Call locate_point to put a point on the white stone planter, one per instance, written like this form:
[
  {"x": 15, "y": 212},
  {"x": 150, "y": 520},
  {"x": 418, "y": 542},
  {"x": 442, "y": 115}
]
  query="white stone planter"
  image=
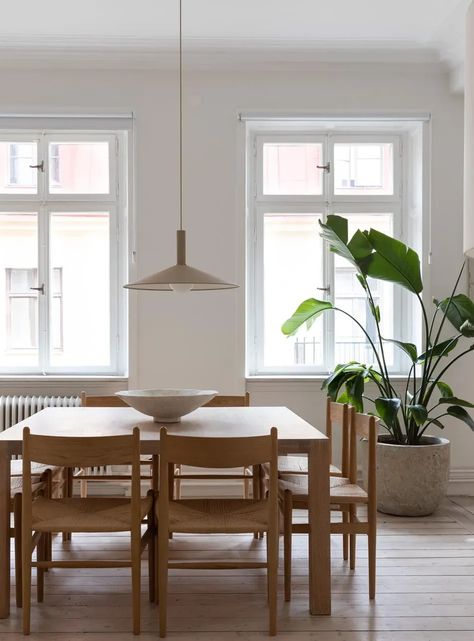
[{"x": 412, "y": 479}]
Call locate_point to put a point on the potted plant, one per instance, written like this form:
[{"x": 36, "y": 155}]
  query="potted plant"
[{"x": 412, "y": 466}]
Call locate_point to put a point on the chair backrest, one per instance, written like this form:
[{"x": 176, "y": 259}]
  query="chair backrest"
[
  {"x": 337, "y": 414},
  {"x": 82, "y": 451},
  {"x": 216, "y": 452},
  {"x": 364, "y": 426},
  {"x": 229, "y": 401},
  {"x": 102, "y": 401}
]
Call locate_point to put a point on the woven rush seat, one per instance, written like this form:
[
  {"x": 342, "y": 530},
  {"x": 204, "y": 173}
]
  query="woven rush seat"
[
  {"x": 298, "y": 464},
  {"x": 341, "y": 490},
  {"x": 298, "y": 483},
  {"x": 93, "y": 514},
  {"x": 202, "y": 516}
]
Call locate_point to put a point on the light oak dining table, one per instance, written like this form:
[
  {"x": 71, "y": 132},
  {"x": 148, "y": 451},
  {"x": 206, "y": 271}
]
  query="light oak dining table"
[{"x": 295, "y": 436}]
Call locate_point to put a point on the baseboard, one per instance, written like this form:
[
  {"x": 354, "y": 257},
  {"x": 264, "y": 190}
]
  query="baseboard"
[{"x": 461, "y": 482}]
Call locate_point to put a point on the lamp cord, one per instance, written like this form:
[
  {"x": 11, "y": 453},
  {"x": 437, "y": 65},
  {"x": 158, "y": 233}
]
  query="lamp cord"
[{"x": 180, "y": 116}]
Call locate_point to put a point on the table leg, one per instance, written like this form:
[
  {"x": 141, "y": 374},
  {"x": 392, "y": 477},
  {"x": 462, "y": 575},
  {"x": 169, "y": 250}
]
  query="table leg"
[
  {"x": 4, "y": 531},
  {"x": 319, "y": 544}
]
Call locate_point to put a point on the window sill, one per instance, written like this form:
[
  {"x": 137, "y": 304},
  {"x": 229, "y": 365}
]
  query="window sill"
[
  {"x": 294, "y": 378},
  {"x": 38, "y": 378}
]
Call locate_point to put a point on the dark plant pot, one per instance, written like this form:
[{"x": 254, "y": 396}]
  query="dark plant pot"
[{"x": 412, "y": 479}]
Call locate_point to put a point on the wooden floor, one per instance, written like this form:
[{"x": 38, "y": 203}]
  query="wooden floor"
[{"x": 425, "y": 590}]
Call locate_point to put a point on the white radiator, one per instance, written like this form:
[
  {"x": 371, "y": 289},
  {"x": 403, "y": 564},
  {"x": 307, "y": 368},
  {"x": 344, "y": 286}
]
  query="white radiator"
[{"x": 16, "y": 408}]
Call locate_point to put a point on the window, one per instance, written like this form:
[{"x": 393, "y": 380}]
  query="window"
[
  {"x": 62, "y": 253},
  {"x": 295, "y": 180}
]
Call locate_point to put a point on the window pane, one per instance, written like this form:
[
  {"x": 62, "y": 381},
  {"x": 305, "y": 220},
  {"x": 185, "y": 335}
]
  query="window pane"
[
  {"x": 16, "y": 176},
  {"x": 79, "y": 168},
  {"x": 350, "y": 341},
  {"x": 363, "y": 169},
  {"x": 293, "y": 262},
  {"x": 291, "y": 168},
  {"x": 18, "y": 303},
  {"x": 80, "y": 305}
]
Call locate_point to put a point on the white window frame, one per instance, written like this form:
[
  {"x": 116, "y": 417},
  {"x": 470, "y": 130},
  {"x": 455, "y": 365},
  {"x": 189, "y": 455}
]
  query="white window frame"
[
  {"x": 45, "y": 204},
  {"x": 258, "y": 204}
]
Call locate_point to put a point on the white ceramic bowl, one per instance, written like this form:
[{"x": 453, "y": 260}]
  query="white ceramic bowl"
[{"x": 166, "y": 405}]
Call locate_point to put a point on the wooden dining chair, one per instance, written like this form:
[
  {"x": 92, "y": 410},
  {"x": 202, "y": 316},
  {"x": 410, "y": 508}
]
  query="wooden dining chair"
[
  {"x": 42, "y": 515},
  {"x": 344, "y": 496},
  {"x": 250, "y": 478},
  {"x": 337, "y": 419},
  {"x": 149, "y": 464},
  {"x": 337, "y": 416},
  {"x": 217, "y": 516}
]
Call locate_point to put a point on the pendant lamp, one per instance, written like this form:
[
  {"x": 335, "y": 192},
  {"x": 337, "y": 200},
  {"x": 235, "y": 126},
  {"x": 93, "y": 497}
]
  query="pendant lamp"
[{"x": 180, "y": 277}]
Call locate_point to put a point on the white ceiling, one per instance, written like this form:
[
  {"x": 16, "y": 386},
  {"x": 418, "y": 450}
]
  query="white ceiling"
[{"x": 427, "y": 29}]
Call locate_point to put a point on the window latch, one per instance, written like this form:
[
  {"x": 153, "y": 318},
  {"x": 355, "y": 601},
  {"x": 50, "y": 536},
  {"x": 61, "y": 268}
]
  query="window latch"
[
  {"x": 39, "y": 289},
  {"x": 325, "y": 289},
  {"x": 326, "y": 167},
  {"x": 40, "y": 167}
]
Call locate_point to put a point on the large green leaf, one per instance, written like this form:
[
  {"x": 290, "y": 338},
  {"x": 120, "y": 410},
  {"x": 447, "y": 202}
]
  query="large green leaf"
[
  {"x": 454, "y": 400},
  {"x": 393, "y": 261},
  {"x": 461, "y": 414},
  {"x": 443, "y": 348},
  {"x": 308, "y": 311},
  {"x": 408, "y": 348},
  {"x": 335, "y": 232},
  {"x": 460, "y": 312},
  {"x": 419, "y": 413},
  {"x": 445, "y": 389},
  {"x": 387, "y": 410},
  {"x": 355, "y": 390},
  {"x": 340, "y": 376}
]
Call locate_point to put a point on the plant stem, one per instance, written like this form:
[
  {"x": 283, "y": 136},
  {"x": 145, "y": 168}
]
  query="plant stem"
[{"x": 338, "y": 309}]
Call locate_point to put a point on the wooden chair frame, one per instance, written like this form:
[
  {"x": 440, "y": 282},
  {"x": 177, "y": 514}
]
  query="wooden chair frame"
[
  {"x": 362, "y": 426},
  {"x": 72, "y": 452},
  {"x": 216, "y": 453},
  {"x": 100, "y": 474},
  {"x": 247, "y": 476}
]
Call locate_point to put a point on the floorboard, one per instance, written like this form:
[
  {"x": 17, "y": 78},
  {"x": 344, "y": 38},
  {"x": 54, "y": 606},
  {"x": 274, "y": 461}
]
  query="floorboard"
[{"x": 425, "y": 589}]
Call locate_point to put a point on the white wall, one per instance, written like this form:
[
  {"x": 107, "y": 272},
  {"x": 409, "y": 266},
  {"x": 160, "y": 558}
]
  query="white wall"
[{"x": 198, "y": 340}]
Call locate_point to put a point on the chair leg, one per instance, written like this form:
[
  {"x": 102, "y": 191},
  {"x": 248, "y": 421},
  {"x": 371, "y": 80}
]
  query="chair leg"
[
  {"x": 83, "y": 489},
  {"x": 135, "y": 544},
  {"x": 177, "y": 482},
  {"x": 256, "y": 491},
  {"x": 41, "y": 553},
  {"x": 26, "y": 579},
  {"x": 352, "y": 538},
  {"x": 151, "y": 553},
  {"x": 272, "y": 572},
  {"x": 67, "y": 493},
  {"x": 287, "y": 540},
  {"x": 246, "y": 481},
  {"x": 163, "y": 582},
  {"x": 345, "y": 537},
  {"x": 17, "y": 499},
  {"x": 372, "y": 549}
]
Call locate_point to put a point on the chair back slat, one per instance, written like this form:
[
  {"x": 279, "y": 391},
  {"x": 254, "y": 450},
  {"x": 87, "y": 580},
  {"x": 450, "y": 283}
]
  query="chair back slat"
[
  {"x": 364, "y": 424},
  {"x": 229, "y": 401},
  {"x": 102, "y": 401},
  {"x": 74, "y": 451},
  {"x": 214, "y": 452},
  {"x": 338, "y": 414}
]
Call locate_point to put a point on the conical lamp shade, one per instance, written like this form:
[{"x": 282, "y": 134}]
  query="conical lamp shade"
[{"x": 180, "y": 274}]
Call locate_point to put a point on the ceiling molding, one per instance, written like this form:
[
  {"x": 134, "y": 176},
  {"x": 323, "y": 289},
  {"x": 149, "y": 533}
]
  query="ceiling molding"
[{"x": 138, "y": 53}]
